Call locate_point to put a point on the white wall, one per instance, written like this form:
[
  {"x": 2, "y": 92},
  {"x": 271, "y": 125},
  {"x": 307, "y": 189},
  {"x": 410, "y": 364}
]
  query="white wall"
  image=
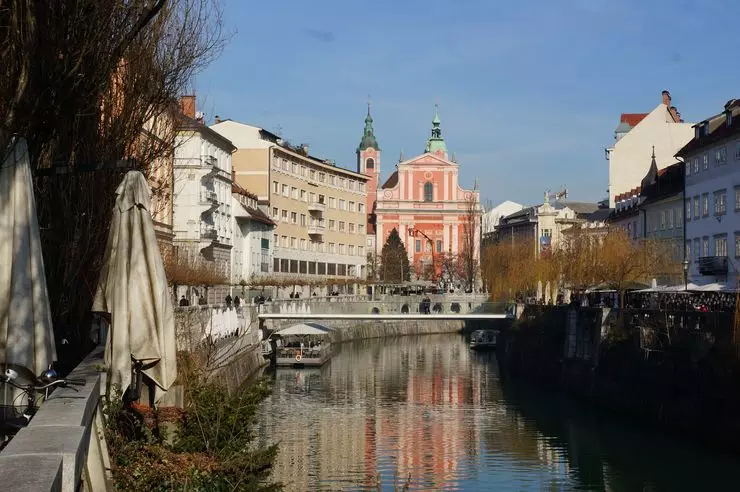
[
  {"x": 630, "y": 158},
  {"x": 243, "y": 136},
  {"x": 491, "y": 218},
  {"x": 193, "y": 177}
]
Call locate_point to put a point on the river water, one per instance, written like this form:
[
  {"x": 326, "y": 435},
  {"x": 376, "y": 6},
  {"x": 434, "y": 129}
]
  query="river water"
[{"x": 430, "y": 409}]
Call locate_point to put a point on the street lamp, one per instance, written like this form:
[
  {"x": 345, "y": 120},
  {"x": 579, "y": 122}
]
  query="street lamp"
[
  {"x": 685, "y": 264},
  {"x": 412, "y": 233}
]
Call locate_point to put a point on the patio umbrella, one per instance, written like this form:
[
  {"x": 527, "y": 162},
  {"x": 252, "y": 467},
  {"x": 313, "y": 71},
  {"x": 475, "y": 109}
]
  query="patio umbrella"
[
  {"x": 26, "y": 335},
  {"x": 133, "y": 289}
]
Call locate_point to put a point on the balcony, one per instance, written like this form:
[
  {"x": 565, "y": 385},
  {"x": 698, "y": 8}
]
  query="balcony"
[
  {"x": 316, "y": 228},
  {"x": 316, "y": 207},
  {"x": 713, "y": 265},
  {"x": 208, "y": 161},
  {"x": 208, "y": 232},
  {"x": 208, "y": 197}
]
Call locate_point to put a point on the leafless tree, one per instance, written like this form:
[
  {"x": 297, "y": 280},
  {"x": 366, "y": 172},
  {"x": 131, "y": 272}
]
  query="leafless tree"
[
  {"x": 469, "y": 253},
  {"x": 93, "y": 85}
]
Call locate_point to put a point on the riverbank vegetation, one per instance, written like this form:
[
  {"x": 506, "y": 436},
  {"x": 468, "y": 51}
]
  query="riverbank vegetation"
[
  {"x": 207, "y": 446},
  {"x": 608, "y": 259}
]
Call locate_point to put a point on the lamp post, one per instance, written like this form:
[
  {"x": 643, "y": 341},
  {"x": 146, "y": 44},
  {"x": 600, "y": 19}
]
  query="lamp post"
[
  {"x": 685, "y": 264},
  {"x": 412, "y": 233}
]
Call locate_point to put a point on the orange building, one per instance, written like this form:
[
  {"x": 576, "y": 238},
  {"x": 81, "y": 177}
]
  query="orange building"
[{"x": 422, "y": 199}]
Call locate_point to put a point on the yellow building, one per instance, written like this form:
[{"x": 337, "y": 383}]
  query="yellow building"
[{"x": 319, "y": 208}]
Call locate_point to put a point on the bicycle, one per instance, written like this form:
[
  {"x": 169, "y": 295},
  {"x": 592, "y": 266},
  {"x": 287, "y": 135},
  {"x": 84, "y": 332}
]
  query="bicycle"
[{"x": 49, "y": 380}]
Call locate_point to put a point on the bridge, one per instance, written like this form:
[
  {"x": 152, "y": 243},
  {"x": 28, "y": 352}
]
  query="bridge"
[{"x": 381, "y": 317}]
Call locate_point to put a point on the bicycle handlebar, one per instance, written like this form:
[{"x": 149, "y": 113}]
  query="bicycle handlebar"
[{"x": 57, "y": 382}]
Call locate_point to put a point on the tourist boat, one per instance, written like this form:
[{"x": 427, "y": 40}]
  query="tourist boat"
[
  {"x": 304, "y": 344},
  {"x": 483, "y": 339}
]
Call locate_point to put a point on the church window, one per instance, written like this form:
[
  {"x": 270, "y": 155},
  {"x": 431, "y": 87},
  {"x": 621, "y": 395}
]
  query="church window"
[
  {"x": 370, "y": 164},
  {"x": 428, "y": 192}
]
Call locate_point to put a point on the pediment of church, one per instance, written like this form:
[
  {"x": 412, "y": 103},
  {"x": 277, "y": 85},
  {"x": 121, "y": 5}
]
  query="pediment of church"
[{"x": 428, "y": 160}]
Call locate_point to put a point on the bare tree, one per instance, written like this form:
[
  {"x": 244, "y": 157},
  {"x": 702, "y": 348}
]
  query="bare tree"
[
  {"x": 469, "y": 252},
  {"x": 93, "y": 86}
]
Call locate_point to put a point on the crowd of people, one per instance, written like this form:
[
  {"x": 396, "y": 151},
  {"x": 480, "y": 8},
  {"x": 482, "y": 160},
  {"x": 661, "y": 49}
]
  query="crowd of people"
[{"x": 683, "y": 301}]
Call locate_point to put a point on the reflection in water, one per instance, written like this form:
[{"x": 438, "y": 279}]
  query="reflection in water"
[{"x": 429, "y": 408}]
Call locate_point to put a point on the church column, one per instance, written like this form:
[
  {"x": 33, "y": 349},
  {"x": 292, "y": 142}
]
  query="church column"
[{"x": 401, "y": 182}]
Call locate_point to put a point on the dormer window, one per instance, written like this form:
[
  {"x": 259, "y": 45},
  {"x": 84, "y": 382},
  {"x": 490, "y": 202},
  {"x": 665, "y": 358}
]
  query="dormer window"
[
  {"x": 697, "y": 131},
  {"x": 728, "y": 118}
]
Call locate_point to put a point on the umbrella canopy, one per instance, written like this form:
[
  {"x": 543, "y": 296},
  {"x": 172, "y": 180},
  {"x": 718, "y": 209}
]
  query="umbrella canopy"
[
  {"x": 133, "y": 289},
  {"x": 26, "y": 336},
  {"x": 305, "y": 329}
]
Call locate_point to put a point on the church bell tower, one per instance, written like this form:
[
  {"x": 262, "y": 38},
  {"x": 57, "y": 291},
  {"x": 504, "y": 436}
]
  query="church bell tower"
[{"x": 368, "y": 163}]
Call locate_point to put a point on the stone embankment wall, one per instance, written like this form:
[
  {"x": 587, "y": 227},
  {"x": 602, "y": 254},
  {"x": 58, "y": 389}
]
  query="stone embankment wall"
[
  {"x": 679, "y": 370},
  {"x": 346, "y": 331},
  {"x": 230, "y": 336}
]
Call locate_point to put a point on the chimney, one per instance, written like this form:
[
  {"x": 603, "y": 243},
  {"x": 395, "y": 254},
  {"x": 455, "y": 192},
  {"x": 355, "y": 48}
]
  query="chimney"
[
  {"x": 667, "y": 98},
  {"x": 674, "y": 114},
  {"x": 304, "y": 148},
  {"x": 218, "y": 119},
  {"x": 187, "y": 106}
]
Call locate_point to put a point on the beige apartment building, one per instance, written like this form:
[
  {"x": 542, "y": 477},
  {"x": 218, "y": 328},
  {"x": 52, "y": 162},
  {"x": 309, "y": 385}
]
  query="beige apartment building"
[{"x": 319, "y": 208}]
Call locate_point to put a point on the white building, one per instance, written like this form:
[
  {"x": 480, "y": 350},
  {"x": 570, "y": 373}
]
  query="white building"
[
  {"x": 635, "y": 137},
  {"x": 542, "y": 226},
  {"x": 202, "y": 208},
  {"x": 491, "y": 218},
  {"x": 252, "y": 252},
  {"x": 712, "y": 198}
]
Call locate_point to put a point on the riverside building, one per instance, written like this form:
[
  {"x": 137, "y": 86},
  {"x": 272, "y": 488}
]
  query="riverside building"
[{"x": 319, "y": 209}]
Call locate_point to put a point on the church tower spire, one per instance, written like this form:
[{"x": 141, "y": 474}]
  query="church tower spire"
[
  {"x": 368, "y": 140},
  {"x": 435, "y": 143}
]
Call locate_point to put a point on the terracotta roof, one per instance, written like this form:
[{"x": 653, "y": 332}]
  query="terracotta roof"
[
  {"x": 240, "y": 190},
  {"x": 259, "y": 216},
  {"x": 392, "y": 180},
  {"x": 632, "y": 119}
]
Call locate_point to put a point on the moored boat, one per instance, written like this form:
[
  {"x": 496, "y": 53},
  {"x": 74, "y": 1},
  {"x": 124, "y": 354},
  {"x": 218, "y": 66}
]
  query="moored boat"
[
  {"x": 304, "y": 344},
  {"x": 483, "y": 339}
]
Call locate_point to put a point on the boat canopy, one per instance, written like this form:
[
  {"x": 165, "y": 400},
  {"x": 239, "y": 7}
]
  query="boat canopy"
[{"x": 305, "y": 329}]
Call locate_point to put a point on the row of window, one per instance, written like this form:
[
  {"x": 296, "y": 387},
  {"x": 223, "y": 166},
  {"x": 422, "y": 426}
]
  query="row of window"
[
  {"x": 313, "y": 175},
  {"x": 284, "y": 265},
  {"x": 428, "y": 246},
  {"x": 669, "y": 218},
  {"x": 710, "y": 246},
  {"x": 289, "y": 217},
  {"x": 701, "y": 204},
  {"x": 310, "y": 197},
  {"x": 316, "y": 246},
  {"x": 719, "y": 158}
]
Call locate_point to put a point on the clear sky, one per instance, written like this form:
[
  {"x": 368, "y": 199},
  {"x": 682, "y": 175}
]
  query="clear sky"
[{"x": 530, "y": 91}]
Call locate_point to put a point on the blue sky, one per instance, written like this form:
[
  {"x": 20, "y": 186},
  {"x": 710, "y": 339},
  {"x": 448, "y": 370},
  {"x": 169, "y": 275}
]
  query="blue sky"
[{"x": 529, "y": 92}]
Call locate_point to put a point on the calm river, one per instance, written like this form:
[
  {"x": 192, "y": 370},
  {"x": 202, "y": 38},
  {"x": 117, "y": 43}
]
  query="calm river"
[{"x": 429, "y": 408}]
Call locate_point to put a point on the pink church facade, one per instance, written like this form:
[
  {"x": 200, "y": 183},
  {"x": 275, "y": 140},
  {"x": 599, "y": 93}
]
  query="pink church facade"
[{"x": 422, "y": 199}]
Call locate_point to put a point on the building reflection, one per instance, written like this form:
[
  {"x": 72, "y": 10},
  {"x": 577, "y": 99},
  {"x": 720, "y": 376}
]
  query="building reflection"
[{"x": 412, "y": 406}]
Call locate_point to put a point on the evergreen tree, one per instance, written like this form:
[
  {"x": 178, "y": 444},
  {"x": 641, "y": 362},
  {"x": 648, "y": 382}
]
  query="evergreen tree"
[{"x": 395, "y": 266}]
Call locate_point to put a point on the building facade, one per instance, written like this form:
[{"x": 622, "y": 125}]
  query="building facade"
[
  {"x": 491, "y": 218},
  {"x": 543, "y": 226},
  {"x": 423, "y": 201},
  {"x": 319, "y": 209},
  {"x": 252, "y": 252},
  {"x": 712, "y": 198},
  {"x": 661, "y": 207},
  {"x": 636, "y": 134},
  {"x": 202, "y": 214}
]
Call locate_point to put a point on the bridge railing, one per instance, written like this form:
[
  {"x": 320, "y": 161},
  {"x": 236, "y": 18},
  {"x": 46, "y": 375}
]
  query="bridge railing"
[{"x": 403, "y": 305}]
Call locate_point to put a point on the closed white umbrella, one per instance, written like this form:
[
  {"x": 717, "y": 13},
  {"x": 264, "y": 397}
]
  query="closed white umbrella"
[
  {"x": 26, "y": 335},
  {"x": 133, "y": 289}
]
